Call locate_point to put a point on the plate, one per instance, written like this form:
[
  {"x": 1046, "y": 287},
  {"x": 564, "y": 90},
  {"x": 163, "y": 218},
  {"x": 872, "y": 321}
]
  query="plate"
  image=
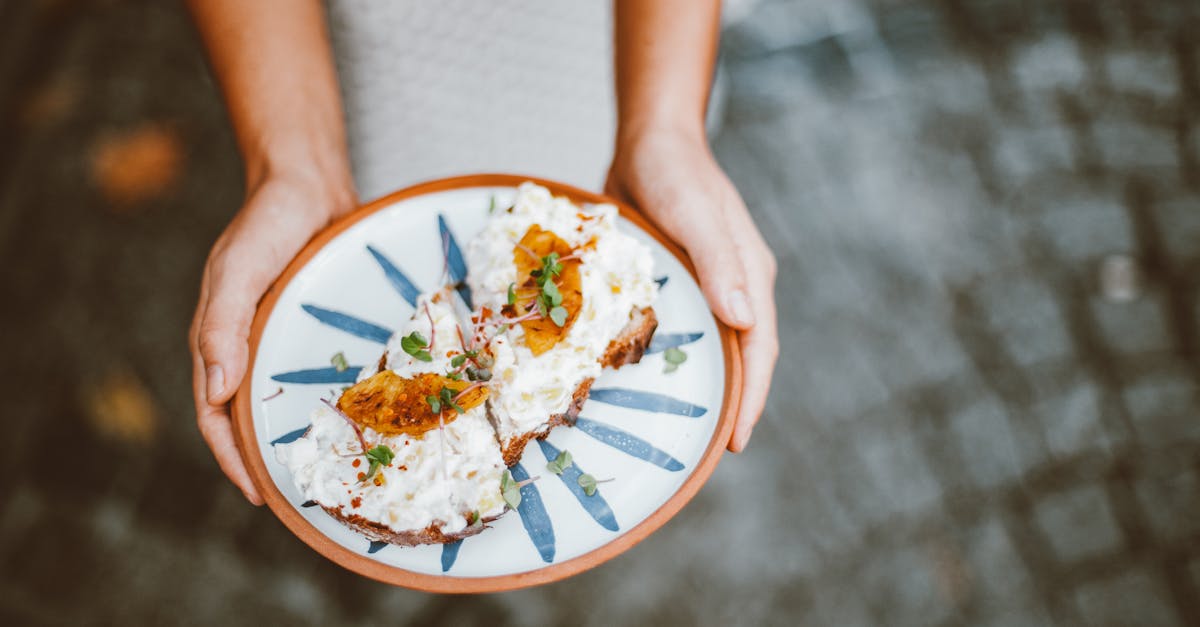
[{"x": 658, "y": 436}]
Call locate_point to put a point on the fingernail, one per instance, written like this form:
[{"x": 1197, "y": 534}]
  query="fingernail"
[
  {"x": 745, "y": 439},
  {"x": 739, "y": 306},
  {"x": 216, "y": 381}
]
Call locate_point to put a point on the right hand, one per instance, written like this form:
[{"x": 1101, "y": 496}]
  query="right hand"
[{"x": 281, "y": 213}]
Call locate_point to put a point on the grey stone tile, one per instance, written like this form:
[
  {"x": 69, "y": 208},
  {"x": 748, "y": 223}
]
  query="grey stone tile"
[
  {"x": 1171, "y": 503},
  {"x": 988, "y": 447},
  {"x": 1132, "y": 598},
  {"x": 1078, "y": 523}
]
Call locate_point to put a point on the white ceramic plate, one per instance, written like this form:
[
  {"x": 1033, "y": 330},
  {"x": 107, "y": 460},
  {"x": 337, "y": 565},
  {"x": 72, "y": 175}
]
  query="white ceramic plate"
[{"x": 651, "y": 432}]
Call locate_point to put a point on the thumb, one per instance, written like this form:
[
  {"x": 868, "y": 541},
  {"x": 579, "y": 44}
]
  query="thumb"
[{"x": 225, "y": 330}]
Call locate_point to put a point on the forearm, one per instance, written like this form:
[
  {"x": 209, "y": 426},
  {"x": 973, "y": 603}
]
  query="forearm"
[
  {"x": 665, "y": 51},
  {"x": 273, "y": 62}
]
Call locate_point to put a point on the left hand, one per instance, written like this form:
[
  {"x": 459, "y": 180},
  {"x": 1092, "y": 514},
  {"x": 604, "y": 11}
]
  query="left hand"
[{"x": 671, "y": 175}]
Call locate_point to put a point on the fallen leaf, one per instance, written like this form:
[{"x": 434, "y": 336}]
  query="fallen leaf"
[
  {"x": 119, "y": 406},
  {"x": 137, "y": 164}
]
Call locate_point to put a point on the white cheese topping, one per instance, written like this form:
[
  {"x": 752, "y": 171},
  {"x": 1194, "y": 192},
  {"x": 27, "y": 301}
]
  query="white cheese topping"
[
  {"x": 439, "y": 478},
  {"x": 616, "y": 277}
]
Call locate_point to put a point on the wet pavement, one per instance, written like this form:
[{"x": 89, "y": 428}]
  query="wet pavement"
[{"x": 987, "y": 218}]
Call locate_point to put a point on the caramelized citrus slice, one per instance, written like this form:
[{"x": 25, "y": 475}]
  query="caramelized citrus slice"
[
  {"x": 392, "y": 405},
  {"x": 542, "y": 334}
]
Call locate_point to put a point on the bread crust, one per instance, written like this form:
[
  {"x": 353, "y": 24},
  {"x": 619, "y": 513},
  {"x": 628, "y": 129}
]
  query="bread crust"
[
  {"x": 381, "y": 533},
  {"x": 627, "y": 348}
]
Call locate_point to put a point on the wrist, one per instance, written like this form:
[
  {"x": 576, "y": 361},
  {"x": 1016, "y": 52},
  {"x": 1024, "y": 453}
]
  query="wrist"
[
  {"x": 317, "y": 165},
  {"x": 637, "y": 135}
]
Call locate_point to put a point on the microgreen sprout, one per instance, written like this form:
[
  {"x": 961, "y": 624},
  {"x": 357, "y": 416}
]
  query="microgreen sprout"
[
  {"x": 560, "y": 463},
  {"x": 588, "y": 483},
  {"x": 414, "y": 344},
  {"x": 339, "y": 361},
  {"x": 379, "y": 456},
  {"x": 673, "y": 358}
]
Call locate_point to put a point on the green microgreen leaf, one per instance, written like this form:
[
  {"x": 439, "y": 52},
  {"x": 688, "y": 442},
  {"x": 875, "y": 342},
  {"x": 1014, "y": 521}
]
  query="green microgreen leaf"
[
  {"x": 447, "y": 397},
  {"x": 478, "y": 374},
  {"x": 339, "y": 361},
  {"x": 588, "y": 483},
  {"x": 454, "y": 376},
  {"x": 382, "y": 454},
  {"x": 559, "y": 315},
  {"x": 512, "y": 293},
  {"x": 434, "y": 403},
  {"x": 492, "y": 204},
  {"x": 560, "y": 463},
  {"x": 458, "y": 360},
  {"x": 672, "y": 358},
  {"x": 415, "y": 344},
  {"x": 379, "y": 456},
  {"x": 550, "y": 291},
  {"x": 510, "y": 490},
  {"x": 475, "y": 518}
]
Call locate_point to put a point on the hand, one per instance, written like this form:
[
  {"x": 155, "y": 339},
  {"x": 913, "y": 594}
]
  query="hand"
[
  {"x": 672, "y": 177},
  {"x": 281, "y": 213}
]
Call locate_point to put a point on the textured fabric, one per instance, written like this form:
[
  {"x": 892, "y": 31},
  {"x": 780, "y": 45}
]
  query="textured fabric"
[{"x": 457, "y": 86}]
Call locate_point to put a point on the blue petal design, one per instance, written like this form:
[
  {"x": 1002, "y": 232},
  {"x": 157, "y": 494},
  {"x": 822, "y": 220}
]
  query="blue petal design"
[
  {"x": 376, "y": 546},
  {"x": 627, "y": 443},
  {"x": 454, "y": 260},
  {"x": 533, "y": 515},
  {"x": 595, "y": 505},
  {"x": 662, "y": 341},
  {"x": 308, "y": 504},
  {"x": 349, "y": 324},
  {"x": 449, "y": 554},
  {"x": 290, "y": 436},
  {"x": 319, "y": 375},
  {"x": 648, "y": 401},
  {"x": 407, "y": 290},
  {"x": 662, "y": 280}
]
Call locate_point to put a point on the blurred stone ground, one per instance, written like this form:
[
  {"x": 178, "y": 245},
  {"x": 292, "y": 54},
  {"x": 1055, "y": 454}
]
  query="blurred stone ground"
[{"x": 987, "y": 216}]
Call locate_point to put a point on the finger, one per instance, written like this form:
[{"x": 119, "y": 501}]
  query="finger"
[
  {"x": 760, "y": 350},
  {"x": 710, "y": 241},
  {"x": 216, "y": 427}
]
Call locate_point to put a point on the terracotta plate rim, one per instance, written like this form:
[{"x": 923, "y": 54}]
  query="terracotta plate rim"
[{"x": 244, "y": 433}]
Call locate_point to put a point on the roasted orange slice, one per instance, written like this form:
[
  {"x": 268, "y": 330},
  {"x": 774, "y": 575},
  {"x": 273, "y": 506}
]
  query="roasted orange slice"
[
  {"x": 542, "y": 334},
  {"x": 392, "y": 405}
]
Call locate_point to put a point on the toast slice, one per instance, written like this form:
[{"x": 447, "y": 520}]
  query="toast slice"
[
  {"x": 627, "y": 348},
  {"x": 442, "y": 481},
  {"x": 603, "y": 286}
]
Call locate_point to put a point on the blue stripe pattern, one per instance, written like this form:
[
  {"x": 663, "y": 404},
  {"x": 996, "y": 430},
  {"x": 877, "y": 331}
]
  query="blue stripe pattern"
[
  {"x": 662, "y": 341},
  {"x": 407, "y": 290},
  {"x": 454, "y": 261},
  {"x": 376, "y": 546},
  {"x": 319, "y": 375},
  {"x": 647, "y": 401},
  {"x": 449, "y": 554},
  {"x": 289, "y": 437},
  {"x": 662, "y": 281},
  {"x": 595, "y": 505},
  {"x": 533, "y": 515},
  {"x": 628, "y": 443},
  {"x": 349, "y": 324},
  {"x": 308, "y": 504}
]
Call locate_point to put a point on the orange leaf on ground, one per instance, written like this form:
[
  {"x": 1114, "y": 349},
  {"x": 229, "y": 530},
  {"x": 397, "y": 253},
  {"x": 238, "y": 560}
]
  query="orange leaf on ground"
[
  {"x": 136, "y": 164},
  {"x": 120, "y": 406}
]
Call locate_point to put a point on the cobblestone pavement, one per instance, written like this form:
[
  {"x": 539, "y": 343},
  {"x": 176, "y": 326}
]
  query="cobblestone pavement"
[{"x": 987, "y": 217}]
